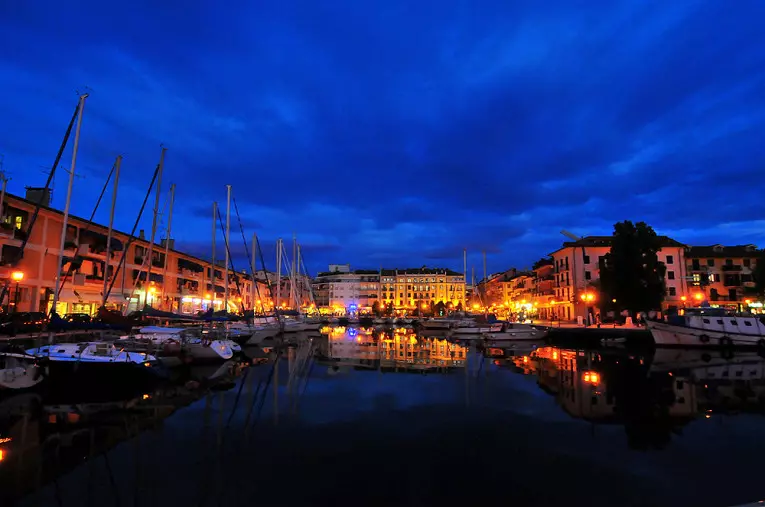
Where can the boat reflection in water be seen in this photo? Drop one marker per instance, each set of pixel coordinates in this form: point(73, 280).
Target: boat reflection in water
point(47, 434)
point(391, 350)
point(653, 396)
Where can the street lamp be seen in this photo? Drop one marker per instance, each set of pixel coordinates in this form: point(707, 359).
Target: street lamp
point(16, 276)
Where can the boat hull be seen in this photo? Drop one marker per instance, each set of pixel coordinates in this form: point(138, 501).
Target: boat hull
point(21, 377)
point(517, 335)
point(214, 351)
point(668, 335)
point(67, 375)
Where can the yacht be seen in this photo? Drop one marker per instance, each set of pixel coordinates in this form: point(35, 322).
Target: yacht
point(704, 327)
point(474, 328)
point(19, 371)
point(437, 324)
point(189, 342)
point(95, 362)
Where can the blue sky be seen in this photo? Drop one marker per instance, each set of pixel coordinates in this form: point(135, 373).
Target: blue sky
point(398, 132)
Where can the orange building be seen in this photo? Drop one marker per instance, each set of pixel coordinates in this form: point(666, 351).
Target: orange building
point(171, 281)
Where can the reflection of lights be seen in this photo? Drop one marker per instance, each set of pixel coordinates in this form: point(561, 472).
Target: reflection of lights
point(146, 396)
point(555, 354)
point(5, 440)
point(525, 359)
point(352, 332)
point(591, 377)
point(2, 455)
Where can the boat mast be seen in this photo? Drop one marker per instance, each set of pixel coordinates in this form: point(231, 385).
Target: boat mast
point(293, 291)
point(167, 240)
point(154, 224)
point(298, 290)
point(212, 269)
point(62, 241)
point(253, 263)
point(2, 192)
point(278, 273)
point(228, 231)
point(117, 165)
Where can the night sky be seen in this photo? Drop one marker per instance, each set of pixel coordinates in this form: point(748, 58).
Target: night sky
point(397, 133)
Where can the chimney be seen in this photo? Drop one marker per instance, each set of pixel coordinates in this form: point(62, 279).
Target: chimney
point(39, 195)
point(141, 234)
point(165, 241)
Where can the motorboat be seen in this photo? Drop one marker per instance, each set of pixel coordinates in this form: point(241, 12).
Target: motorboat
point(473, 328)
point(704, 327)
point(437, 324)
point(20, 371)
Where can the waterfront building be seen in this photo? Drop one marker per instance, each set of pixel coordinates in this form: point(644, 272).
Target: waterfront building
point(496, 290)
point(344, 291)
point(171, 280)
point(543, 289)
point(420, 288)
point(577, 268)
point(723, 275)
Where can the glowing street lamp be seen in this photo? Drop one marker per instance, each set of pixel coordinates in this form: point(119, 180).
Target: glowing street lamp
point(698, 296)
point(17, 276)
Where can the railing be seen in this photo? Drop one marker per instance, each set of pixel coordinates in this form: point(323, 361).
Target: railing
point(731, 267)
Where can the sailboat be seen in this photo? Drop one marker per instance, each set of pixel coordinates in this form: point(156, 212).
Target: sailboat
point(19, 371)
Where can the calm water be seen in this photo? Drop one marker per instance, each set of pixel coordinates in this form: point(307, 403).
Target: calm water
point(353, 418)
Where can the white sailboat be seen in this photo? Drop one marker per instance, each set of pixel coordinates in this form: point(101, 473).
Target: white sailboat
point(704, 327)
point(19, 371)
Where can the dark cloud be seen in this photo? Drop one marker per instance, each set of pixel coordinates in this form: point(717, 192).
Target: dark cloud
point(391, 132)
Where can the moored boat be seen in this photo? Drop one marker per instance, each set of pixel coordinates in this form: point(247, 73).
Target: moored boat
point(704, 327)
point(19, 371)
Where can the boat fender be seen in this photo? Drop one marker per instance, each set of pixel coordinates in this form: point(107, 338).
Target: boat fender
point(704, 338)
point(726, 342)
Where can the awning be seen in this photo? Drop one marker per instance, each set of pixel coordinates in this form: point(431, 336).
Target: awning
point(82, 296)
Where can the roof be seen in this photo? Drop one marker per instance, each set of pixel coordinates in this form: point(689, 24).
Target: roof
point(420, 271)
point(605, 241)
point(733, 251)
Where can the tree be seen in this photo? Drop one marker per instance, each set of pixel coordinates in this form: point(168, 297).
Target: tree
point(544, 261)
point(377, 309)
point(631, 272)
point(758, 274)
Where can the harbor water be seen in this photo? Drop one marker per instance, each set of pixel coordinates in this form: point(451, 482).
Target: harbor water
point(367, 417)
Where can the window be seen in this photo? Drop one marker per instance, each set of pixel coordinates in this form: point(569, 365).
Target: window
point(729, 262)
point(747, 263)
point(670, 259)
point(672, 291)
point(710, 262)
point(586, 259)
point(587, 275)
point(670, 275)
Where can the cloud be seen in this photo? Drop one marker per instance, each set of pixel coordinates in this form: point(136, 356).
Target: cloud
point(400, 132)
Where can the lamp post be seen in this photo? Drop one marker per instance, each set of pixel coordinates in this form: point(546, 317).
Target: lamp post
point(16, 276)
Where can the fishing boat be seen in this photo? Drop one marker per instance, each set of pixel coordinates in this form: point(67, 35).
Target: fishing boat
point(19, 371)
point(705, 327)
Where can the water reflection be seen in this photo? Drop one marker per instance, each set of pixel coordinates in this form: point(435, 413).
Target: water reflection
point(652, 396)
point(313, 417)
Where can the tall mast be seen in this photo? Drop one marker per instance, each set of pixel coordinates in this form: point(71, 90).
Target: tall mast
point(154, 219)
point(484, 266)
point(117, 165)
point(2, 192)
point(228, 230)
point(298, 290)
point(167, 239)
point(278, 273)
point(62, 242)
point(253, 263)
point(464, 263)
point(293, 292)
point(212, 269)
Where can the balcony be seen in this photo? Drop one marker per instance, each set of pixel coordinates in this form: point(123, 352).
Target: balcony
point(731, 267)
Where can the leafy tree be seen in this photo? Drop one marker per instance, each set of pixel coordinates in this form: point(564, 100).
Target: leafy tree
point(544, 261)
point(389, 309)
point(377, 309)
point(459, 306)
point(631, 272)
point(759, 274)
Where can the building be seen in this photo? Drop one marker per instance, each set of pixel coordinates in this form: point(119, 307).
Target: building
point(171, 280)
point(496, 289)
point(543, 289)
point(577, 268)
point(421, 288)
point(341, 290)
point(723, 275)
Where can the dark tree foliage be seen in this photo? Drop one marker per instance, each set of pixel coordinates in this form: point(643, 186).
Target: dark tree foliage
point(631, 272)
point(544, 261)
point(759, 274)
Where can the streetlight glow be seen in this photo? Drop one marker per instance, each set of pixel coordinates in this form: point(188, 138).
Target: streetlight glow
point(17, 276)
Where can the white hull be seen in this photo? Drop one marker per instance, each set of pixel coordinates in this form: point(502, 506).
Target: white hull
point(436, 325)
point(667, 335)
point(217, 350)
point(263, 334)
point(478, 330)
point(21, 375)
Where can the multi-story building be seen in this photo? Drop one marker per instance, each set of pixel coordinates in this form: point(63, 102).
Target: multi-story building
point(543, 292)
point(722, 274)
point(496, 290)
point(343, 290)
point(521, 293)
point(171, 280)
point(411, 289)
point(577, 267)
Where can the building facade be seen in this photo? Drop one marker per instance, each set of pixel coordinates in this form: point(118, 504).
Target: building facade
point(722, 275)
point(577, 268)
point(412, 289)
point(171, 280)
point(344, 291)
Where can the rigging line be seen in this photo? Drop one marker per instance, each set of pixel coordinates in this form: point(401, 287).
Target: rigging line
point(72, 263)
point(231, 263)
point(132, 238)
point(265, 273)
point(265, 389)
point(236, 400)
point(247, 252)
